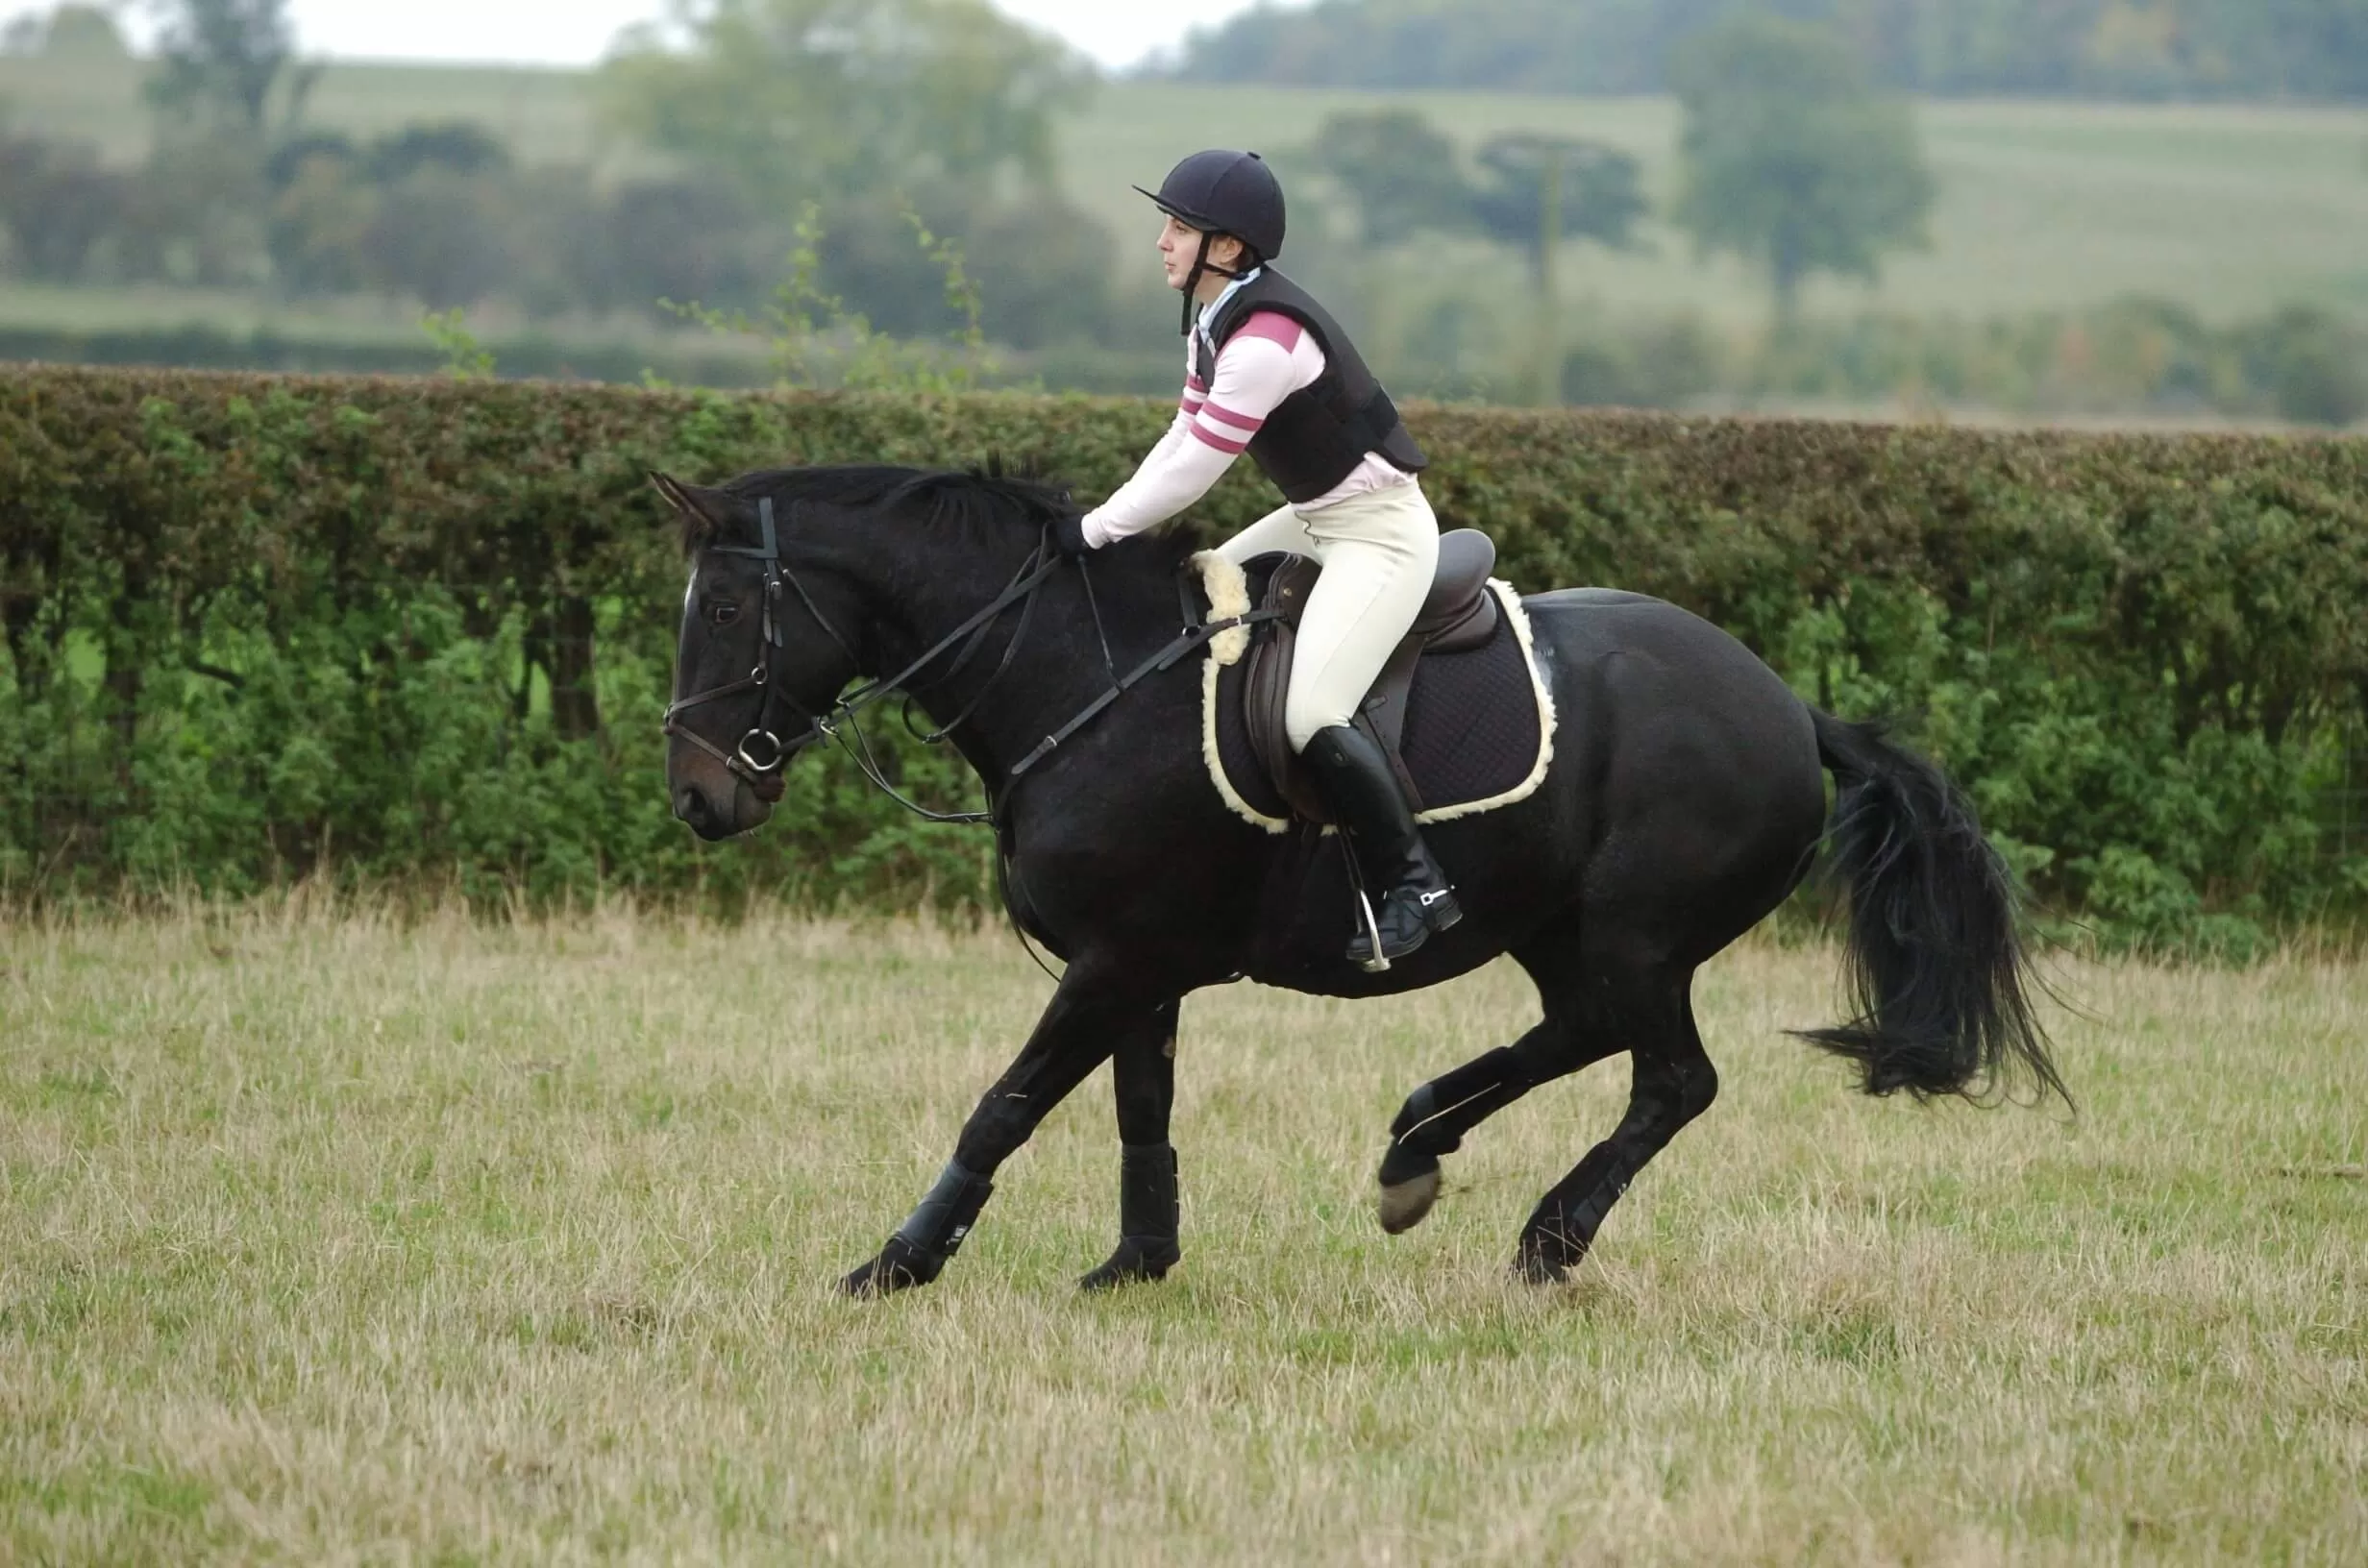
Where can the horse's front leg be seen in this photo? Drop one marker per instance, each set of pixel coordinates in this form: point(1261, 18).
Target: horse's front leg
point(1142, 1078)
point(1085, 1024)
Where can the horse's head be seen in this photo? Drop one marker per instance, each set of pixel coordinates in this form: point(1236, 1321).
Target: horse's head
point(765, 647)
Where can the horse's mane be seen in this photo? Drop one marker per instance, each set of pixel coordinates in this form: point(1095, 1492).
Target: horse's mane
point(987, 499)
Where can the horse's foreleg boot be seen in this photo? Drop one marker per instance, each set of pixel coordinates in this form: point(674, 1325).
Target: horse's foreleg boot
point(931, 1236)
point(1561, 1229)
point(1551, 1248)
point(1149, 1218)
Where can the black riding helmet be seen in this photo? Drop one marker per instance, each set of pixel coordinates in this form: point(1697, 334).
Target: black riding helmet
point(1220, 192)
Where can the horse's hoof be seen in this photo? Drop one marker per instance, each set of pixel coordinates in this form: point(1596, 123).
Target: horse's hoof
point(1405, 1204)
point(1536, 1267)
point(897, 1267)
point(1136, 1262)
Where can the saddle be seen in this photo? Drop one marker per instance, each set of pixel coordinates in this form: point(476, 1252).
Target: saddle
point(1460, 615)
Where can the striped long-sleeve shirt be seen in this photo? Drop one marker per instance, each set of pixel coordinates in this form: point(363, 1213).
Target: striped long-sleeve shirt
point(1268, 360)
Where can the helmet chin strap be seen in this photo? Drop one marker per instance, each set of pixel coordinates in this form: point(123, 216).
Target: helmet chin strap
point(1203, 266)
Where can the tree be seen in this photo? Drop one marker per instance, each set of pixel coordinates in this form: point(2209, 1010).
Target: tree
point(456, 146)
point(1401, 174)
point(323, 215)
point(1790, 158)
point(71, 32)
point(429, 209)
point(200, 214)
point(658, 238)
point(1539, 191)
point(57, 203)
point(870, 111)
point(2312, 362)
point(443, 238)
point(1396, 168)
point(1534, 190)
point(798, 100)
point(223, 60)
point(2144, 48)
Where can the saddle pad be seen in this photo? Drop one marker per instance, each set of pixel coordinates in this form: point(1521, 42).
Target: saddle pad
point(1479, 725)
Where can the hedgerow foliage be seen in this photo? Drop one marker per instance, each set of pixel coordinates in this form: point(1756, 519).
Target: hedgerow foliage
point(417, 632)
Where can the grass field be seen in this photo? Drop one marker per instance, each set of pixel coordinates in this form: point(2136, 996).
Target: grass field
point(2231, 210)
point(326, 1239)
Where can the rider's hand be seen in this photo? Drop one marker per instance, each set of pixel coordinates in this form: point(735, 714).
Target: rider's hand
point(1069, 535)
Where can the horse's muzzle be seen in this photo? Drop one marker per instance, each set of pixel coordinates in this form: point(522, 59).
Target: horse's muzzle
point(744, 809)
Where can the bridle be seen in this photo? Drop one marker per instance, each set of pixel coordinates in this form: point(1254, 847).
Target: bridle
point(841, 715)
point(838, 722)
point(760, 677)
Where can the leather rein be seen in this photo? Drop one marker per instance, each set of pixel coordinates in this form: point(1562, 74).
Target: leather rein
point(839, 721)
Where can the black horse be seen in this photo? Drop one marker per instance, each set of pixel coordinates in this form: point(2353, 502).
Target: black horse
point(1685, 800)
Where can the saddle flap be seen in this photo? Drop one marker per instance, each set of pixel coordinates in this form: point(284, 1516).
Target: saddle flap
point(1466, 733)
point(1459, 614)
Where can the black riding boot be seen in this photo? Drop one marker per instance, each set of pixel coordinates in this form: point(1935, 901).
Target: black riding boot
point(1411, 895)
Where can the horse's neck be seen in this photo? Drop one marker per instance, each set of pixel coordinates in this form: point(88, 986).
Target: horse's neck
point(1056, 668)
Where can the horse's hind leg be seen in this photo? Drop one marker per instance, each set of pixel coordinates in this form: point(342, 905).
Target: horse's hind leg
point(1436, 1116)
point(1674, 1083)
point(1142, 1079)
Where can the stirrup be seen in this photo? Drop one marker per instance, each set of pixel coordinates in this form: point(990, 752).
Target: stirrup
point(1375, 960)
point(1435, 911)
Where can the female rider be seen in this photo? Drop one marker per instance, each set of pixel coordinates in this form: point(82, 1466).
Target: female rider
point(1270, 372)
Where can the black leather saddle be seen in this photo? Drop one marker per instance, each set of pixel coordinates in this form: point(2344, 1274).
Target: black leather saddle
point(1458, 615)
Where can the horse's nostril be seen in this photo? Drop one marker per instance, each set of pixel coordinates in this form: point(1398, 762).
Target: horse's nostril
point(691, 806)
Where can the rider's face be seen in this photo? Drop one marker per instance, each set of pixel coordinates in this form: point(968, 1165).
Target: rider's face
point(1179, 244)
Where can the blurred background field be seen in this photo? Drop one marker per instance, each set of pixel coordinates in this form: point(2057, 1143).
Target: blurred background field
point(2111, 246)
point(2043, 205)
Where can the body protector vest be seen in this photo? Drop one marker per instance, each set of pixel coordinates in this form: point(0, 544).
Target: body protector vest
point(1316, 437)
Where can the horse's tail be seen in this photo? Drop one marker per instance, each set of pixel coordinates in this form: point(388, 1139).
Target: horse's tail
point(1937, 973)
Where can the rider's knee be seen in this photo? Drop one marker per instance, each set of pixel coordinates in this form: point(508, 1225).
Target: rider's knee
point(1303, 719)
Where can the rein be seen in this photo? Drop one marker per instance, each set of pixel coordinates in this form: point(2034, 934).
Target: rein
point(839, 721)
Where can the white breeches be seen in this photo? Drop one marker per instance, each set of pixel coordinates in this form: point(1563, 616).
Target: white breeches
point(1379, 550)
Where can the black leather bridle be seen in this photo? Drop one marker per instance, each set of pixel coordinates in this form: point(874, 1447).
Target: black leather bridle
point(759, 678)
point(838, 721)
point(841, 715)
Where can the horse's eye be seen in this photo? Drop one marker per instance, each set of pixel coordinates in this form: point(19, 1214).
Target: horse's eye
point(724, 615)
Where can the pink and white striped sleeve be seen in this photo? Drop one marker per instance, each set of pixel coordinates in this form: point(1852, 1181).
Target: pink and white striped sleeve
point(1262, 363)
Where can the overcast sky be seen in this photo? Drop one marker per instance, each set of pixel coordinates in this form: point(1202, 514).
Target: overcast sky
point(1117, 32)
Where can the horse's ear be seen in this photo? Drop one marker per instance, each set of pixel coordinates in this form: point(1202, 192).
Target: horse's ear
point(704, 512)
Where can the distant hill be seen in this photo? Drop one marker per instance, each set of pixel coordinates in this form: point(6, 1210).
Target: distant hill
point(2044, 206)
point(2312, 50)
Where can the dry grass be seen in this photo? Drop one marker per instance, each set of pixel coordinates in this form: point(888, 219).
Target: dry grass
point(330, 1240)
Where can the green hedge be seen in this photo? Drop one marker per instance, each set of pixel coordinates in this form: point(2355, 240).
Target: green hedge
point(418, 632)
point(697, 362)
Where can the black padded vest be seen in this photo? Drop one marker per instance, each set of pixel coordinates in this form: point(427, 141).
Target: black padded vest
point(1317, 436)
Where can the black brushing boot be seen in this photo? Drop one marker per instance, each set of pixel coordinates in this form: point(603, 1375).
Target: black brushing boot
point(928, 1238)
point(1412, 896)
point(1148, 1216)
